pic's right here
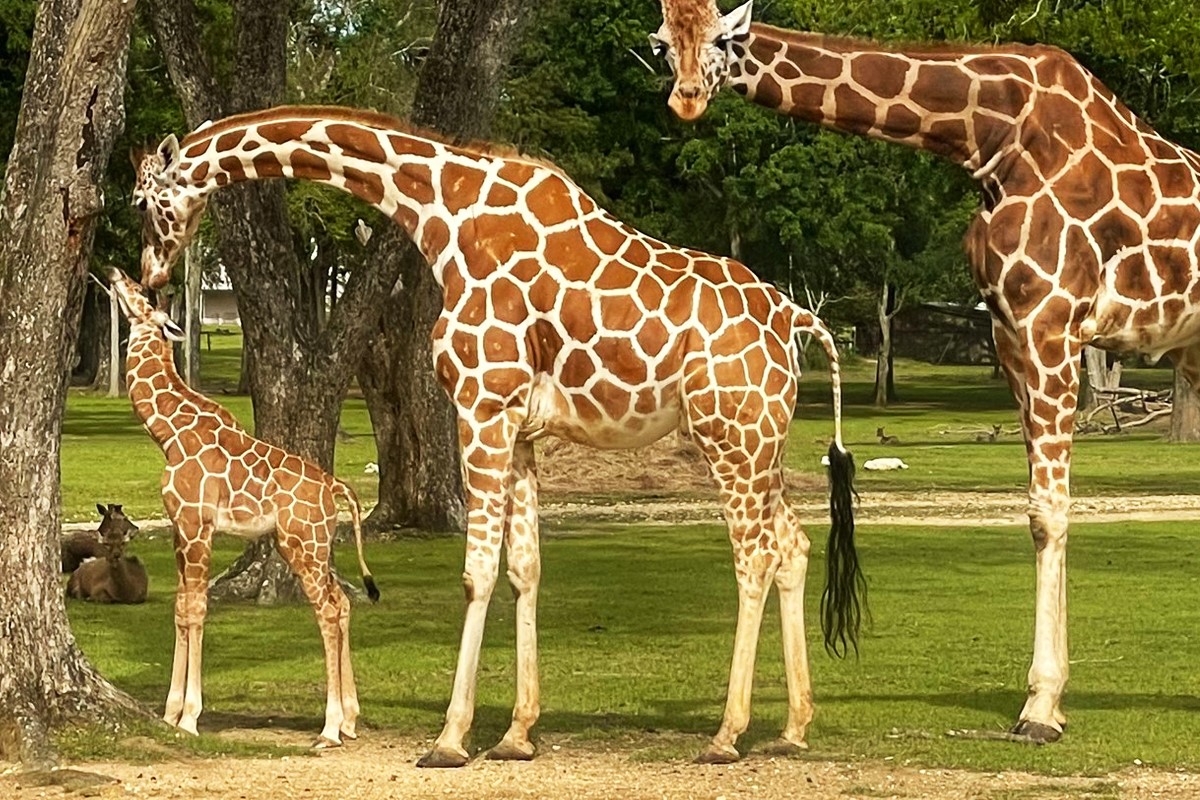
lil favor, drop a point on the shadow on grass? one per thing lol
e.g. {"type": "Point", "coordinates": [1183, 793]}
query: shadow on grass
{"type": "Point", "coordinates": [1005, 702]}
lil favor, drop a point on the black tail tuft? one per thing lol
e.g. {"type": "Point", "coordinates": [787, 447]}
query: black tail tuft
{"type": "Point", "coordinates": [372, 589]}
{"type": "Point", "coordinates": [844, 602]}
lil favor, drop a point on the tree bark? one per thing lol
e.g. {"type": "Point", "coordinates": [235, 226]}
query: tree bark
{"type": "Point", "coordinates": [298, 365]}
{"type": "Point", "coordinates": [1185, 411]}
{"type": "Point", "coordinates": [71, 113]}
{"type": "Point", "coordinates": [885, 386]}
{"type": "Point", "coordinates": [420, 484]}
{"type": "Point", "coordinates": [1099, 375]}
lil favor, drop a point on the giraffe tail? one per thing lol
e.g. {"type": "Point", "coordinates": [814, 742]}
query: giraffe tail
{"type": "Point", "coordinates": [342, 490]}
{"type": "Point", "coordinates": [844, 601]}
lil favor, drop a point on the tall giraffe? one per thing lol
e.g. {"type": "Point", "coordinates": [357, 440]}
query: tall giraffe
{"type": "Point", "coordinates": [1089, 231]}
{"type": "Point", "coordinates": [559, 320]}
{"type": "Point", "coordinates": [219, 477]}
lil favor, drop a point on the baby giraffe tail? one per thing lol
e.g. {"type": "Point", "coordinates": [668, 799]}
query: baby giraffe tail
{"type": "Point", "coordinates": [342, 490]}
{"type": "Point", "coordinates": [844, 600]}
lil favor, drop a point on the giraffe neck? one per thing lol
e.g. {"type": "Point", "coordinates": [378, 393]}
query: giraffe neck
{"type": "Point", "coordinates": [965, 104]}
{"type": "Point", "coordinates": [403, 174]}
{"type": "Point", "coordinates": [161, 399]}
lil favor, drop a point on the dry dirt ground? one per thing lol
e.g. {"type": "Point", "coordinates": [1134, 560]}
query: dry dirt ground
{"type": "Point", "coordinates": [671, 485]}
{"type": "Point", "coordinates": [380, 768]}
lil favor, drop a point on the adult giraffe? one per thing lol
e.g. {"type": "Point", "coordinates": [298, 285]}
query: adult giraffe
{"type": "Point", "coordinates": [559, 320]}
{"type": "Point", "coordinates": [1088, 232]}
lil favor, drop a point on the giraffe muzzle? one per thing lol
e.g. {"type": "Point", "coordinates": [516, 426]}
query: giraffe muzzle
{"type": "Point", "coordinates": [689, 107]}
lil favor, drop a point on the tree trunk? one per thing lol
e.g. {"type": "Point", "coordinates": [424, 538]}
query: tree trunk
{"type": "Point", "coordinates": [71, 113]}
{"type": "Point", "coordinates": [297, 364]}
{"type": "Point", "coordinates": [415, 427]}
{"type": "Point", "coordinates": [91, 347]}
{"type": "Point", "coordinates": [1099, 375]}
{"type": "Point", "coordinates": [1185, 411]}
{"type": "Point", "coordinates": [191, 325]}
{"type": "Point", "coordinates": [885, 387]}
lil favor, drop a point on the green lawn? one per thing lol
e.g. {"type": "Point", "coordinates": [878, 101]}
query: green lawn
{"type": "Point", "coordinates": [636, 632]}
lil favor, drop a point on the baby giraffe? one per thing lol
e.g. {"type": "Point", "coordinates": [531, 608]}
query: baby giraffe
{"type": "Point", "coordinates": [78, 547]}
{"type": "Point", "coordinates": [111, 577]}
{"type": "Point", "coordinates": [218, 476]}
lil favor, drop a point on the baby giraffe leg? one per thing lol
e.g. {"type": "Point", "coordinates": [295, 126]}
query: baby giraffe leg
{"type": "Point", "coordinates": [306, 549]}
{"type": "Point", "coordinates": [193, 551]}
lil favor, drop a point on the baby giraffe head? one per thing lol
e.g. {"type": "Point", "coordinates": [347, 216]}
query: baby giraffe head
{"type": "Point", "coordinates": [170, 210]}
{"type": "Point", "coordinates": [696, 40]}
{"type": "Point", "coordinates": [138, 309]}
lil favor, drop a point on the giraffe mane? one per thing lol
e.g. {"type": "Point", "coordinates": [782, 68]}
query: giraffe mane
{"type": "Point", "coordinates": [368, 117]}
{"type": "Point", "coordinates": [844, 43]}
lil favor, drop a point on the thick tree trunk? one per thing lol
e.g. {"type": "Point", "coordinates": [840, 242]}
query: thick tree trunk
{"type": "Point", "coordinates": [70, 115]}
{"type": "Point", "coordinates": [415, 427]}
{"type": "Point", "coordinates": [298, 365]}
{"type": "Point", "coordinates": [1185, 411]}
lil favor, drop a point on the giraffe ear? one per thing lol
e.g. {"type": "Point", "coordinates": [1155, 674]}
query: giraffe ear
{"type": "Point", "coordinates": [173, 331]}
{"type": "Point", "coordinates": [737, 22]}
{"type": "Point", "coordinates": [168, 151]}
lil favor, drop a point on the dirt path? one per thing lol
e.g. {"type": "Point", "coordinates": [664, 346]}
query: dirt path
{"type": "Point", "coordinates": [958, 509]}
{"type": "Point", "coordinates": [379, 768]}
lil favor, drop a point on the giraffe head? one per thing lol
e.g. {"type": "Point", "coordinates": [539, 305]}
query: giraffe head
{"type": "Point", "coordinates": [170, 214]}
{"type": "Point", "coordinates": [138, 310]}
{"type": "Point", "coordinates": [695, 39]}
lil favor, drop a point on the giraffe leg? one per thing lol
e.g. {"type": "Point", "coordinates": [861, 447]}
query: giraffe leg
{"type": "Point", "coordinates": [305, 547]}
{"type": "Point", "coordinates": [1047, 383]}
{"type": "Point", "coordinates": [750, 485]}
{"type": "Point", "coordinates": [524, 572]}
{"type": "Point", "coordinates": [487, 460]}
{"type": "Point", "coordinates": [789, 579]}
{"type": "Point", "coordinates": [193, 550]}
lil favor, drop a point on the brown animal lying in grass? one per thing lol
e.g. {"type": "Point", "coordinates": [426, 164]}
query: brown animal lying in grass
{"type": "Point", "coordinates": [110, 577]}
{"type": "Point", "coordinates": [79, 547]}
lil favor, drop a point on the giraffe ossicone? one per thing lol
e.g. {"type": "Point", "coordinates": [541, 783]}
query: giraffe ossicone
{"type": "Point", "coordinates": [558, 319]}
{"type": "Point", "coordinates": [1089, 231]}
{"type": "Point", "coordinates": [220, 478]}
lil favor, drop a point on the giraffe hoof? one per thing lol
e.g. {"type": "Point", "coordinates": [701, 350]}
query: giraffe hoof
{"type": "Point", "coordinates": [1037, 732]}
{"type": "Point", "coordinates": [351, 735]}
{"type": "Point", "coordinates": [511, 751]}
{"type": "Point", "coordinates": [325, 743]}
{"type": "Point", "coordinates": [785, 747]}
{"type": "Point", "coordinates": [443, 757]}
{"type": "Point", "coordinates": [716, 754]}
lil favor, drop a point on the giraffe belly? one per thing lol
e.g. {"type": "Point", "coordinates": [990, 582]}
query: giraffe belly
{"type": "Point", "coordinates": [575, 415]}
{"type": "Point", "coordinates": [249, 523]}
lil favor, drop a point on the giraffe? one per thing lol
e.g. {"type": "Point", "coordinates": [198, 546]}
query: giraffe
{"type": "Point", "coordinates": [218, 476]}
{"type": "Point", "coordinates": [1088, 231]}
{"type": "Point", "coordinates": [559, 320]}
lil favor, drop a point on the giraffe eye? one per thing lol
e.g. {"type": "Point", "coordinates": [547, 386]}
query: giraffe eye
{"type": "Point", "coordinates": [658, 47]}
{"type": "Point", "coordinates": [722, 41]}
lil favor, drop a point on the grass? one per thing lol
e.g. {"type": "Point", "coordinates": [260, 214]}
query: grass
{"type": "Point", "coordinates": [636, 632]}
